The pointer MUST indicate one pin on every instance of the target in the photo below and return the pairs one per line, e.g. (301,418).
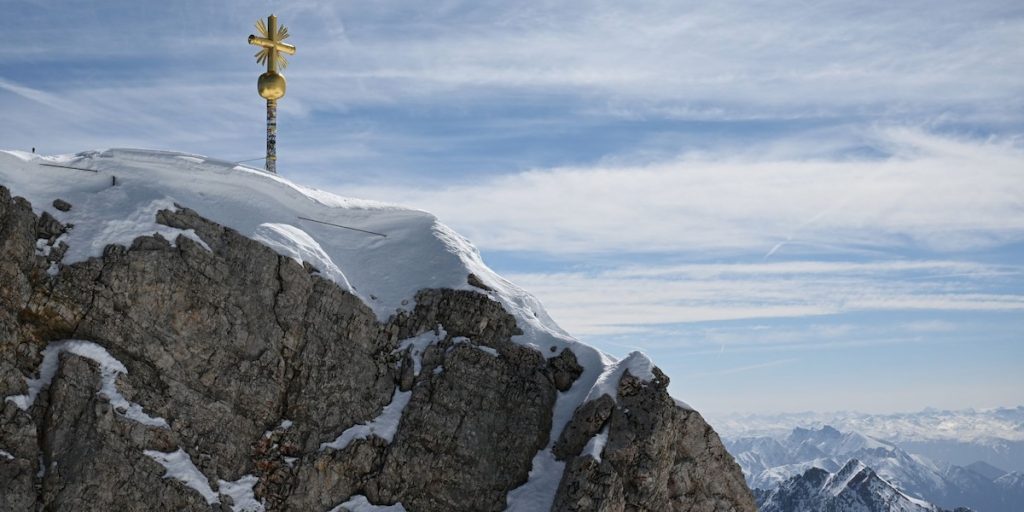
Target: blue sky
(789,205)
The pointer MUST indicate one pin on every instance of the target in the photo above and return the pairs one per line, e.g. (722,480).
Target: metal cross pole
(271,84)
(271,162)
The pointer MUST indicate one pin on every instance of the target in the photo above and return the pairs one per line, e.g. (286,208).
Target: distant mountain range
(825,468)
(855,487)
(994,436)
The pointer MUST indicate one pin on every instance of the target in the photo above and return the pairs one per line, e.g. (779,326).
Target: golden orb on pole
(271,85)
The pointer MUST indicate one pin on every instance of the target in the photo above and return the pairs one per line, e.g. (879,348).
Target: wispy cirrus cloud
(37,96)
(726,57)
(621,300)
(746,368)
(931,191)
(606,62)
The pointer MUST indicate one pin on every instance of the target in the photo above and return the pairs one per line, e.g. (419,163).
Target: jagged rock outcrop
(253,364)
(657,455)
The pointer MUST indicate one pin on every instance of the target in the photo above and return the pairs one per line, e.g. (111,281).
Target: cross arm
(268,43)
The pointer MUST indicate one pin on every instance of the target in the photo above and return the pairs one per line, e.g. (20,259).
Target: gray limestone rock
(61,205)
(474,280)
(48,227)
(564,369)
(586,421)
(329,477)
(20,461)
(94,462)
(658,456)
(591,486)
(483,414)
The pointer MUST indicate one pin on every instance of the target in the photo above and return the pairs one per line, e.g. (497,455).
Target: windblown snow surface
(417,252)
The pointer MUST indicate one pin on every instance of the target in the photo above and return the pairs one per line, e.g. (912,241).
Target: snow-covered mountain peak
(230,300)
(377,251)
(1012,480)
(770,462)
(841,479)
(828,441)
(117,192)
(855,487)
(986,470)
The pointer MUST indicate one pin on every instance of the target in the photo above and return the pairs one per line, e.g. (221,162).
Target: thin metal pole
(69,167)
(345,227)
(272,136)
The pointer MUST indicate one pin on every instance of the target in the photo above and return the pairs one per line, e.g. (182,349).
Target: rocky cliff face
(188,375)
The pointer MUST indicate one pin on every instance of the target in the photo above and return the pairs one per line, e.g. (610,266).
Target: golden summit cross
(271,84)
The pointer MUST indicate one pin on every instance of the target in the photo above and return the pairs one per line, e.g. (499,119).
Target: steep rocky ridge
(255,363)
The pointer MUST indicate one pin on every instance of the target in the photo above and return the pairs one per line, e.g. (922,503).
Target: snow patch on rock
(538,493)
(179,466)
(419,344)
(110,368)
(240,491)
(682,405)
(462,340)
(383,426)
(636,363)
(595,446)
(359,503)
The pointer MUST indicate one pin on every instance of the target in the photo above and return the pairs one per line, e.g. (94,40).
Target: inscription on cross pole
(271,85)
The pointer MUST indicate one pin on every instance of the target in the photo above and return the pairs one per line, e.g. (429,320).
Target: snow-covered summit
(384,254)
(118,201)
